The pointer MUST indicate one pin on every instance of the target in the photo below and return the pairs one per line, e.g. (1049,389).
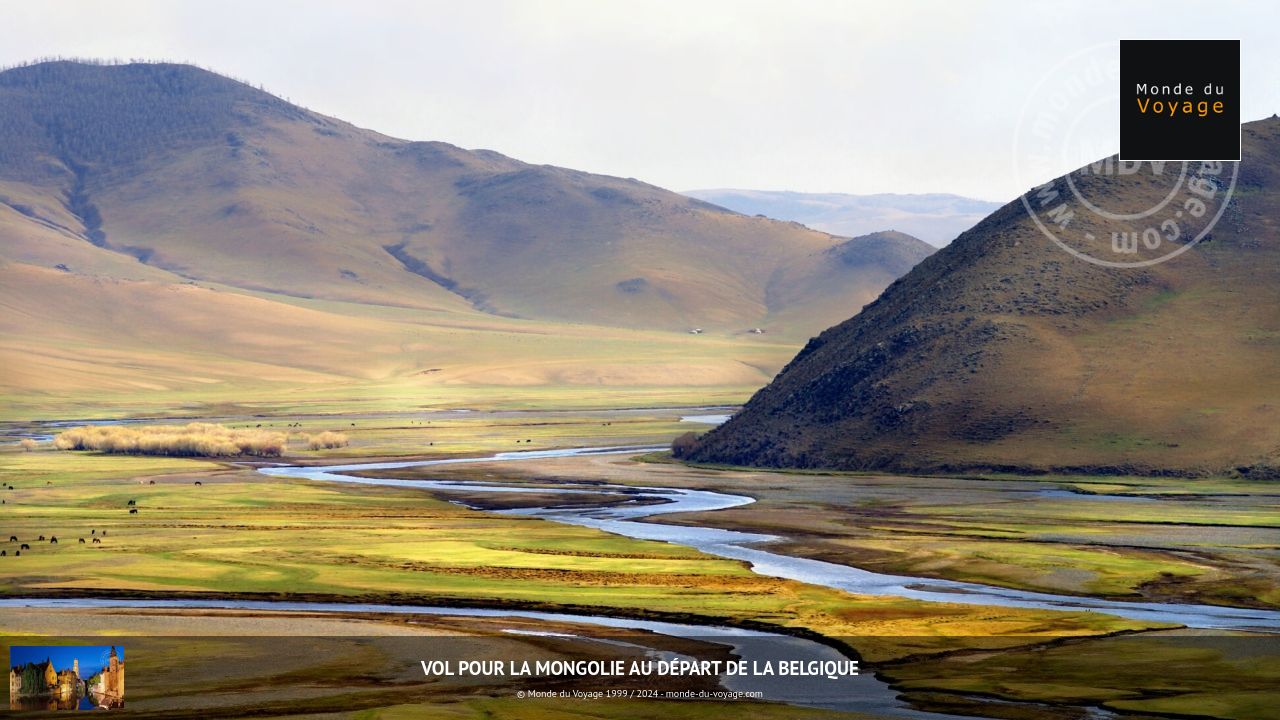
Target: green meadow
(240,533)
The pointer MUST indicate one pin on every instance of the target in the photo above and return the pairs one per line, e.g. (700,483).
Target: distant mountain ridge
(936,218)
(1004,352)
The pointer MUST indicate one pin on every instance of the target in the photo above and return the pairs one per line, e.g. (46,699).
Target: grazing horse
(24,546)
(13,538)
(16,553)
(153,482)
(199,483)
(81,541)
(3,553)
(133,511)
(96,541)
(53,540)
(41,538)
(104,533)
(133,502)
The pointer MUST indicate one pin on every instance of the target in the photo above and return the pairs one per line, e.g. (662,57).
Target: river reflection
(62,702)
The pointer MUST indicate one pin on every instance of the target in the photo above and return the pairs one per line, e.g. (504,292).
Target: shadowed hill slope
(1002,351)
(854,271)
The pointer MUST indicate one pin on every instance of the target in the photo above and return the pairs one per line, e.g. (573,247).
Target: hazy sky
(847,96)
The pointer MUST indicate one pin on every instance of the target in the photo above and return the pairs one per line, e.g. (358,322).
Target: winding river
(626,519)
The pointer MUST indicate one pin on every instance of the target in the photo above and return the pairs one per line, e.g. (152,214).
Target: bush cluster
(683,445)
(327,441)
(191,440)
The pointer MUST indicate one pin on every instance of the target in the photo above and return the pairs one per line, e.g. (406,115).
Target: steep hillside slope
(1004,351)
(136,170)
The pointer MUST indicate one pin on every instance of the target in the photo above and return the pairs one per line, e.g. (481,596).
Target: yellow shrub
(327,440)
(191,440)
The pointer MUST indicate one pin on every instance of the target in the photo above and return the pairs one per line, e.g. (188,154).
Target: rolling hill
(163,227)
(1003,352)
(936,218)
(209,179)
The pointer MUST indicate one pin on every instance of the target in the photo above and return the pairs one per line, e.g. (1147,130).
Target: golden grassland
(83,346)
(460,432)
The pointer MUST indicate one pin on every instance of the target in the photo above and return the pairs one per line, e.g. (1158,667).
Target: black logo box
(1186,65)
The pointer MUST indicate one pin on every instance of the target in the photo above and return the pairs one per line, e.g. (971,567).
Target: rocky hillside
(1003,351)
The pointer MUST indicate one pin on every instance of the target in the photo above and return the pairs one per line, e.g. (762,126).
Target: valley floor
(242,534)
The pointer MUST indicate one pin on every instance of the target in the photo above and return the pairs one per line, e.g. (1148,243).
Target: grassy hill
(171,230)
(1002,351)
(210,179)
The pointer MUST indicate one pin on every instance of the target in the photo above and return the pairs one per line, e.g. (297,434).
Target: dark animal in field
(93,532)
(96,541)
(104,533)
(133,511)
(153,482)
(24,546)
(41,538)
(3,553)
(53,540)
(199,483)
(81,541)
(133,502)
(16,553)
(48,482)
(13,538)
(10,487)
